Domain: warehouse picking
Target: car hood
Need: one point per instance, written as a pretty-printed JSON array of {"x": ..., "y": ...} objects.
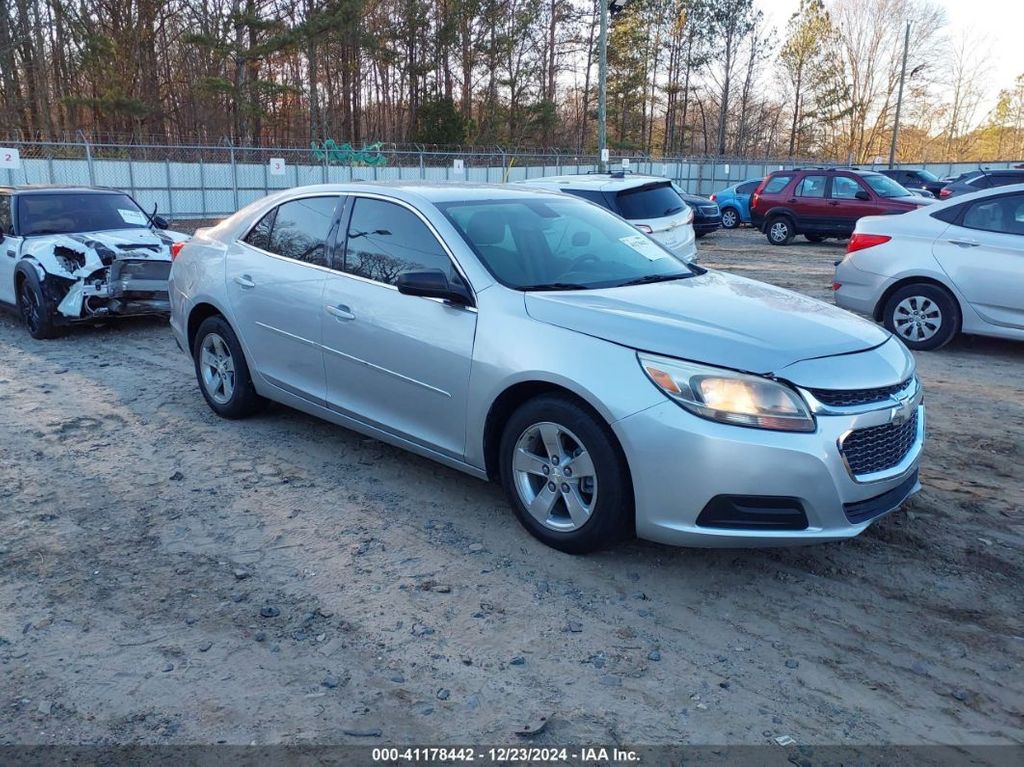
[
  {"x": 79, "y": 254},
  {"x": 716, "y": 318}
]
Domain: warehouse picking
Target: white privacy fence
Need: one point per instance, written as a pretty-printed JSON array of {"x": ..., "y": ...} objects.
[{"x": 204, "y": 182}]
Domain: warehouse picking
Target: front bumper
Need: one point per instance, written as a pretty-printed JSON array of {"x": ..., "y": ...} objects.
[{"x": 682, "y": 465}]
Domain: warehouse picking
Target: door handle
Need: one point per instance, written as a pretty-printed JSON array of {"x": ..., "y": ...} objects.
[
  {"x": 833, "y": 203},
  {"x": 791, "y": 199},
  {"x": 245, "y": 281},
  {"x": 340, "y": 312},
  {"x": 965, "y": 243}
]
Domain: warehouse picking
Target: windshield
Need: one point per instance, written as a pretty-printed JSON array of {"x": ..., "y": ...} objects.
[
  {"x": 65, "y": 212},
  {"x": 927, "y": 175},
  {"x": 651, "y": 201},
  {"x": 554, "y": 244},
  {"x": 885, "y": 186}
]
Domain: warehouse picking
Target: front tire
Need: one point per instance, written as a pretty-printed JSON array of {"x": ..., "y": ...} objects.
[
  {"x": 565, "y": 476},
  {"x": 923, "y": 316},
  {"x": 730, "y": 218},
  {"x": 780, "y": 231},
  {"x": 222, "y": 371},
  {"x": 34, "y": 308}
]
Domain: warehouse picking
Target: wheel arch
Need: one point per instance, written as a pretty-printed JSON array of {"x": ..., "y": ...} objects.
[
  {"x": 514, "y": 396},
  {"x": 200, "y": 312},
  {"x": 903, "y": 282}
]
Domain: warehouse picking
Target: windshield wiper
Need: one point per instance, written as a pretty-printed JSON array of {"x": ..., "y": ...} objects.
[
  {"x": 649, "y": 278},
  {"x": 672, "y": 211},
  {"x": 555, "y": 286}
]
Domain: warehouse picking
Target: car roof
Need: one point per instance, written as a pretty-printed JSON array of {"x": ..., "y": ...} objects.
[
  {"x": 421, "y": 191},
  {"x": 26, "y": 189},
  {"x": 602, "y": 182}
]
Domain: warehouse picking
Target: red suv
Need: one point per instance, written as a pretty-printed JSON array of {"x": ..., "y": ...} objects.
[{"x": 824, "y": 202}]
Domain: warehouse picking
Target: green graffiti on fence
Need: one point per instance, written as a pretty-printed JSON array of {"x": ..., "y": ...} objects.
[{"x": 332, "y": 153}]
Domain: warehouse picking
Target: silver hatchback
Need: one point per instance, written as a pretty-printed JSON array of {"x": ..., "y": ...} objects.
[{"x": 536, "y": 339}]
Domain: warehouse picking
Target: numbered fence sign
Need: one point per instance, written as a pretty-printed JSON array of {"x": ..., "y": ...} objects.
[
  {"x": 276, "y": 166},
  {"x": 9, "y": 158},
  {"x": 458, "y": 167},
  {"x": 625, "y": 163}
]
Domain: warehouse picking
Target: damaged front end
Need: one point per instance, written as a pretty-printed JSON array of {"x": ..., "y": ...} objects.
[{"x": 86, "y": 277}]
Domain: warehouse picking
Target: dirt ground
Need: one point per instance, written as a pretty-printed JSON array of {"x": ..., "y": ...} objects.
[{"x": 170, "y": 577}]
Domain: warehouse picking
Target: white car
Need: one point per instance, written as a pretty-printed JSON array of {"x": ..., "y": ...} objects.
[
  {"x": 72, "y": 254},
  {"x": 955, "y": 266},
  {"x": 648, "y": 202}
]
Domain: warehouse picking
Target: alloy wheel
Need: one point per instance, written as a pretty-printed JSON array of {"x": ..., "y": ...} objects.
[
  {"x": 31, "y": 311},
  {"x": 729, "y": 219},
  {"x": 554, "y": 476},
  {"x": 217, "y": 367},
  {"x": 779, "y": 231},
  {"x": 917, "y": 318}
]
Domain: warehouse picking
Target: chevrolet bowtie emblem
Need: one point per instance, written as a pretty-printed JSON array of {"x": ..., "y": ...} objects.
[{"x": 900, "y": 414}]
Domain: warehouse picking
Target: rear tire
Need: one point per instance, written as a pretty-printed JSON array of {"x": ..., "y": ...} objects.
[
  {"x": 222, "y": 371},
  {"x": 730, "y": 218},
  {"x": 923, "y": 316},
  {"x": 575, "y": 510},
  {"x": 34, "y": 308},
  {"x": 779, "y": 231}
]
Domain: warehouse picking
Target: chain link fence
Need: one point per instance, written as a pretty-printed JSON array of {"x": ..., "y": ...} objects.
[{"x": 212, "y": 181}]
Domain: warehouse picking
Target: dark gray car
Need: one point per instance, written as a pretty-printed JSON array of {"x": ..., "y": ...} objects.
[{"x": 977, "y": 180}]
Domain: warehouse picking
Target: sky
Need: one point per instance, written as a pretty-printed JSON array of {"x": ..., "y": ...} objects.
[{"x": 997, "y": 22}]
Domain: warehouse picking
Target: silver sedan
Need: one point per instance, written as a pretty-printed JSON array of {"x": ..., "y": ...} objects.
[{"x": 536, "y": 339}]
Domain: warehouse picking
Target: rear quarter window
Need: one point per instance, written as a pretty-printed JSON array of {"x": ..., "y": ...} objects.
[{"x": 777, "y": 184}]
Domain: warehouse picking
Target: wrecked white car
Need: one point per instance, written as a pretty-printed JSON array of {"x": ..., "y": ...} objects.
[{"x": 81, "y": 254}]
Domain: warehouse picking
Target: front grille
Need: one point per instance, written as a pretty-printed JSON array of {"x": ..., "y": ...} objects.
[
  {"x": 854, "y": 397},
  {"x": 879, "y": 447}
]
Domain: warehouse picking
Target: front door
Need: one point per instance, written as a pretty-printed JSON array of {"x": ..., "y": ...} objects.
[
  {"x": 9, "y": 249},
  {"x": 984, "y": 256},
  {"x": 845, "y": 206},
  {"x": 275, "y": 282},
  {"x": 397, "y": 362}
]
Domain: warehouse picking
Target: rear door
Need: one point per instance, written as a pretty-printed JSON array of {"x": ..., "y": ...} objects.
[
  {"x": 743, "y": 193},
  {"x": 275, "y": 282},
  {"x": 984, "y": 256},
  {"x": 810, "y": 204}
]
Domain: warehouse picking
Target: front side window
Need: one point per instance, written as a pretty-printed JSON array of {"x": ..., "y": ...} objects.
[
  {"x": 5, "y": 214},
  {"x": 68, "y": 212},
  {"x": 386, "y": 239},
  {"x": 777, "y": 184},
  {"x": 844, "y": 188},
  {"x": 1003, "y": 214},
  {"x": 812, "y": 186},
  {"x": 885, "y": 186},
  {"x": 301, "y": 229},
  {"x": 559, "y": 244}
]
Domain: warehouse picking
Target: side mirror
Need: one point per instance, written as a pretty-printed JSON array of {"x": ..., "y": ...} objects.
[
  {"x": 433, "y": 283},
  {"x": 862, "y": 195},
  {"x": 160, "y": 222},
  {"x": 2, "y": 235}
]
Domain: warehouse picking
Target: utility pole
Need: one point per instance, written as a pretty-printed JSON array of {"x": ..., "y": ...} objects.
[
  {"x": 602, "y": 90},
  {"x": 899, "y": 99}
]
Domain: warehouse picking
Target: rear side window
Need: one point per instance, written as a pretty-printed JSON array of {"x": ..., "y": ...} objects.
[
  {"x": 259, "y": 235},
  {"x": 1003, "y": 214},
  {"x": 649, "y": 202},
  {"x": 777, "y": 184},
  {"x": 1003, "y": 179},
  {"x": 385, "y": 239},
  {"x": 589, "y": 195},
  {"x": 301, "y": 228},
  {"x": 950, "y": 215},
  {"x": 811, "y": 186},
  {"x": 747, "y": 188}
]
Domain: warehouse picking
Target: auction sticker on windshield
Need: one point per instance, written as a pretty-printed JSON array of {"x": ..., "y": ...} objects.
[
  {"x": 644, "y": 247},
  {"x": 132, "y": 216}
]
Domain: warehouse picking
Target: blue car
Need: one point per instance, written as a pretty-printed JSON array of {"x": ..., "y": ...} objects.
[{"x": 735, "y": 203}]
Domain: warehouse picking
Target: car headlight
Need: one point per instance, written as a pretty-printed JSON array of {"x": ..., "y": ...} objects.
[
  {"x": 729, "y": 397},
  {"x": 689, "y": 215}
]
